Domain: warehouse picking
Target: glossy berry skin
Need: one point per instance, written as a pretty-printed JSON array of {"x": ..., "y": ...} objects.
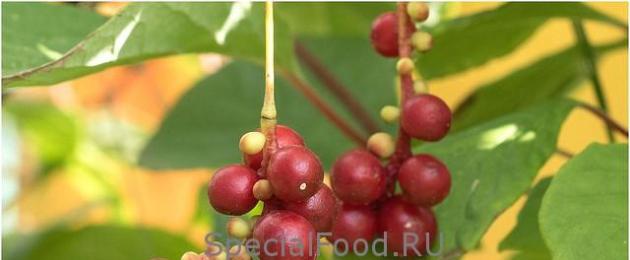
[
  {"x": 285, "y": 136},
  {"x": 425, "y": 180},
  {"x": 295, "y": 173},
  {"x": 293, "y": 230},
  {"x": 230, "y": 190},
  {"x": 354, "y": 222},
  {"x": 426, "y": 117},
  {"x": 318, "y": 209},
  {"x": 384, "y": 34},
  {"x": 358, "y": 177},
  {"x": 402, "y": 220}
]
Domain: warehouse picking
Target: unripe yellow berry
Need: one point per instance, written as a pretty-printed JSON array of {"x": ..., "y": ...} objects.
[
  {"x": 238, "y": 252},
  {"x": 422, "y": 41},
  {"x": 327, "y": 180},
  {"x": 238, "y": 228},
  {"x": 191, "y": 256},
  {"x": 418, "y": 11},
  {"x": 419, "y": 87},
  {"x": 262, "y": 190},
  {"x": 221, "y": 256},
  {"x": 252, "y": 143},
  {"x": 390, "y": 114},
  {"x": 404, "y": 66},
  {"x": 381, "y": 144}
]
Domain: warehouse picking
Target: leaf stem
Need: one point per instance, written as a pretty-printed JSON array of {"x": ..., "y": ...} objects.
[
  {"x": 591, "y": 68},
  {"x": 337, "y": 88},
  {"x": 268, "y": 114},
  {"x": 310, "y": 94}
]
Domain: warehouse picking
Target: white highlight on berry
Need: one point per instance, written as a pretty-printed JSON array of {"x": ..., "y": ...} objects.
[{"x": 303, "y": 186}]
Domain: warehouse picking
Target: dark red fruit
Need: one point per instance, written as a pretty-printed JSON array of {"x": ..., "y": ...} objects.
[
  {"x": 427, "y": 216},
  {"x": 406, "y": 224},
  {"x": 354, "y": 222},
  {"x": 272, "y": 204},
  {"x": 424, "y": 180},
  {"x": 358, "y": 177},
  {"x": 285, "y": 136},
  {"x": 426, "y": 117},
  {"x": 230, "y": 190},
  {"x": 285, "y": 235},
  {"x": 319, "y": 209},
  {"x": 295, "y": 173},
  {"x": 384, "y": 34}
]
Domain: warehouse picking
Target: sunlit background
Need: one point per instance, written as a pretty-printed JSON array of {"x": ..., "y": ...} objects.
[{"x": 70, "y": 157}]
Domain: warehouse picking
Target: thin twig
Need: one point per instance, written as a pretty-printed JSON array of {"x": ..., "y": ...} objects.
[
  {"x": 336, "y": 87},
  {"x": 310, "y": 94},
  {"x": 591, "y": 68},
  {"x": 611, "y": 123},
  {"x": 564, "y": 153}
]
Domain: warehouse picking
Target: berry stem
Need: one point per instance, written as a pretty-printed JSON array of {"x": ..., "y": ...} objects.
[
  {"x": 403, "y": 144},
  {"x": 310, "y": 94},
  {"x": 337, "y": 88},
  {"x": 268, "y": 113}
]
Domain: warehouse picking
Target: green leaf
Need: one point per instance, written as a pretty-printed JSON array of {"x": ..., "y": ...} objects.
[
  {"x": 207, "y": 215},
  {"x": 199, "y": 133},
  {"x": 203, "y": 129},
  {"x": 584, "y": 214},
  {"x": 550, "y": 77},
  {"x": 526, "y": 237},
  {"x": 332, "y": 19},
  {"x": 473, "y": 40},
  {"x": 34, "y": 34},
  {"x": 149, "y": 30},
  {"x": 50, "y": 132},
  {"x": 97, "y": 243},
  {"x": 491, "y": 166}
]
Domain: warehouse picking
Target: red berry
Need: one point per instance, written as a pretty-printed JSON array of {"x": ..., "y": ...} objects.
[
  {"x": 354, "y": 222},
  {"x": 319, "y": 209},
  {"x": 426, "y": 117},
  {"x": 285, "y": 235},
  {"x": 427, "y": 216},
  {"x": 407, "y": 227},
  {"x": 358, "y": 177},
  {"x": 384, "y": 34},
  {"x": 230, "y": 190},
  {"x": 295, "y": 173},
  {"x": 272, "y": 204},
  {"x": 285, "y": 136},
  {"x": 424, "y": 180}
]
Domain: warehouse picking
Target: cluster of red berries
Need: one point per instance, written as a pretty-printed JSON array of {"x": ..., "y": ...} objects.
[
  {"x": 297, "y": 204},
  {"x": 360, "y": 180},
  {"x": 361, "y": 206}
]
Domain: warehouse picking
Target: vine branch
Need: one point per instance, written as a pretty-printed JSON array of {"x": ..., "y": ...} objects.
[
  {"x": 591, "y": 69},
  {"x": 337, "y": 88}
]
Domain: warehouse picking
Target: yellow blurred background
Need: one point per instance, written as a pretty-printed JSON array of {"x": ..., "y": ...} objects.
[{"x": 137, "y": 97}]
